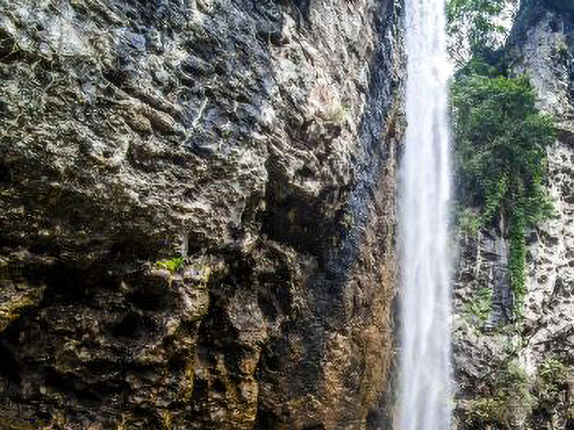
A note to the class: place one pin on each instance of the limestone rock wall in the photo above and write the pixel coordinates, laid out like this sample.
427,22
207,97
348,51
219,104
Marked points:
197,212
520,375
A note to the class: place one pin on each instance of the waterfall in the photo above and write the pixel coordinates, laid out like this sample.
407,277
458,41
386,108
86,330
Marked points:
425,311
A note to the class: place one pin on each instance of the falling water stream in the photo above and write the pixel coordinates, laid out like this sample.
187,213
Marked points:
425,311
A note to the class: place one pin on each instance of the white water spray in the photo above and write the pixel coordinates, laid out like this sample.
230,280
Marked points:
425,314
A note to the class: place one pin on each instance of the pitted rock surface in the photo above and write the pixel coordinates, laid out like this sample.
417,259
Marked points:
532,356
197,212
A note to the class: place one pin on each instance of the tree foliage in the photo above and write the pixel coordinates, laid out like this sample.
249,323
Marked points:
473,27
500,142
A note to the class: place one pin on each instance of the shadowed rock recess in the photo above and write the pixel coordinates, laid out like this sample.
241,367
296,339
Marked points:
197,213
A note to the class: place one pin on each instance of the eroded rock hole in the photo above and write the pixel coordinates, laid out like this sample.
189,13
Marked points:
152,298
219,386
134,326
5,175
9,368
266,419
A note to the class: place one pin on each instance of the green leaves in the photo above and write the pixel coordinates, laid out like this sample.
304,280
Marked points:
500,157
509,388
173,265
473,26
481,304
501,143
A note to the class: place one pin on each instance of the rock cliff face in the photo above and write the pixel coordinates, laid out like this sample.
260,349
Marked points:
197,212
521,374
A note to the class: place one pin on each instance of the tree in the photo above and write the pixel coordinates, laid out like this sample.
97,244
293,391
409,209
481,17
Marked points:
474,26
500,153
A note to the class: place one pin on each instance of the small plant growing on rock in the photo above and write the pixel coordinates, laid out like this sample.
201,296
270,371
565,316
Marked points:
484,409
561,47
552,374
469,222
552,389
348,220
509,402
173,264
480,306
336,113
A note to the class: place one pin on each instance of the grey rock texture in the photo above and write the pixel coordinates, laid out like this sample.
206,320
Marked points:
197,212
520,375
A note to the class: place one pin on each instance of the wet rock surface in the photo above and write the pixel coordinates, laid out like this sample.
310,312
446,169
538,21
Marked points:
197,213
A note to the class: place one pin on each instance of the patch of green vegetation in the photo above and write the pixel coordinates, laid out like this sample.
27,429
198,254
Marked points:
553,385
561,48
509,401
484,409
473,27
174,264
336,112
500,156
480,306
552,375
468,221
500,137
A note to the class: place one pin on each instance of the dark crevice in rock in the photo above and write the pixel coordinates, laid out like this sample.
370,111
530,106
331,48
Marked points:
64,289
302,10
270,29
294,218
89,394
216,335
274,359
154,297
200,398
134,327
10,368
116,77
9,51
5,176
266,419
74,284
274,300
